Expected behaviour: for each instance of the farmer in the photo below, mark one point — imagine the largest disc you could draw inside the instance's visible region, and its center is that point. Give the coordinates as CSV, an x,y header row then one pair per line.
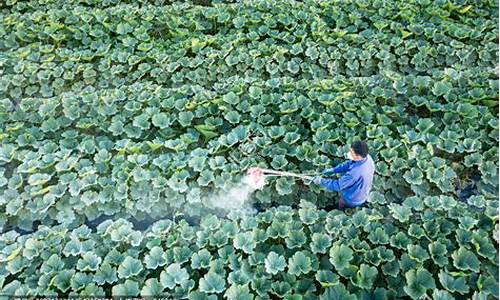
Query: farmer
x,y
357,177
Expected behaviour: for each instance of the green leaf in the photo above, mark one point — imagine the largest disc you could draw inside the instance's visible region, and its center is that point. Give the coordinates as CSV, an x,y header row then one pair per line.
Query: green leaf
x,y
379,236
337,292
129,288
238,292
295,239
452,284
152,288
89,262
105,274
340,256
438,253
80,280
274,263
52,264
441,88
233,117
129,267
123,28
417,253
93,290
201,259
63,280
212,283
442,295
413,176
464,259
308,215
299,263
292,137
185,118
255,92
284,186
244,241
391,268
155,258
280,288
38,179
173,275
365,277
231,98
488,284
327,278
161,120
207,131
483,245
400,212
418,282
320,243
293,67
312,53
279,162
12,254
141,121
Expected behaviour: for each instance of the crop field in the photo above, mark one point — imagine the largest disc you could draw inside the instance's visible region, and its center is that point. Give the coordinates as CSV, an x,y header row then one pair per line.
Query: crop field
x,y
121,119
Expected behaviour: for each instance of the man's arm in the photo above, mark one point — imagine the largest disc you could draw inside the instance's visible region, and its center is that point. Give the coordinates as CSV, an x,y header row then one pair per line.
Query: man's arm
x,y
337,185
341,168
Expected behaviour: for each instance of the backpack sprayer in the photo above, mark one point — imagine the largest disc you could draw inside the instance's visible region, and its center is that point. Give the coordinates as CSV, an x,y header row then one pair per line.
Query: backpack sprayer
x,y
258,175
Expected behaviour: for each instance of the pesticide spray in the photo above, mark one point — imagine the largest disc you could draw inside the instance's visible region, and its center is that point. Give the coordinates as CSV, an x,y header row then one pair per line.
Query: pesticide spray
x,y
236,198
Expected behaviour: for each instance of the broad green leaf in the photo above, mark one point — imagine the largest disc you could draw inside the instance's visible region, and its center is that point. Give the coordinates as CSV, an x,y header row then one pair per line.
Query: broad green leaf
x,y
327,278
337,292
129,267
441,88
129,288
89,262
418,281
161,120
238,292
340,256
464,259
320,243
417,253
295,239
231,98
244,241
63,280
365,277
173,275
155,258
212,283
274,263
299,263
453,284
152,288
105,274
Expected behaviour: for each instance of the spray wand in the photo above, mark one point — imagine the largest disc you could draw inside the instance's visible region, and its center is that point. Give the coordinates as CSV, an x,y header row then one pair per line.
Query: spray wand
x,y
257,175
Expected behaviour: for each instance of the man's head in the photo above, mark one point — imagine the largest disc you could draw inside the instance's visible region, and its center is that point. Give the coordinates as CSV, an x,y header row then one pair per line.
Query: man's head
x,y
359,150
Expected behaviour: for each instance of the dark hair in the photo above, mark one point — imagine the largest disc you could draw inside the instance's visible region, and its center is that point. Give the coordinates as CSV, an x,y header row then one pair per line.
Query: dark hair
x,y
360,148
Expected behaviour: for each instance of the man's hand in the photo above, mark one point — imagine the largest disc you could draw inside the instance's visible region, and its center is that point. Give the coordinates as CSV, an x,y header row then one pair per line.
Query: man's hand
x,y
317,180
328,172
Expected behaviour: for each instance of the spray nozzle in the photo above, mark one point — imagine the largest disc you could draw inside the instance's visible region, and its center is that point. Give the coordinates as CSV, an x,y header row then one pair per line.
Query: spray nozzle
x,y
256,177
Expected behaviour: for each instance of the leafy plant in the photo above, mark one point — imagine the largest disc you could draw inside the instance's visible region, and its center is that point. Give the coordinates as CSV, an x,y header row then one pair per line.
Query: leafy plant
x,y
118,110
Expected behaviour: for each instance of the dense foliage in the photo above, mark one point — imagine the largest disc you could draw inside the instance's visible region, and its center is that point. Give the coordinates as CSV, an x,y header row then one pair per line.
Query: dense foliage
x,y
435,247
141,108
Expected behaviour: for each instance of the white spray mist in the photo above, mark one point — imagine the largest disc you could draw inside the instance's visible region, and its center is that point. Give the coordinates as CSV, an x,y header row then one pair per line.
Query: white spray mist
x,y
236,197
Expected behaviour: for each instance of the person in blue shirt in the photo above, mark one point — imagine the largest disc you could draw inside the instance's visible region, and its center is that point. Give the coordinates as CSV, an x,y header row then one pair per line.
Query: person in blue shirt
x,y
357,177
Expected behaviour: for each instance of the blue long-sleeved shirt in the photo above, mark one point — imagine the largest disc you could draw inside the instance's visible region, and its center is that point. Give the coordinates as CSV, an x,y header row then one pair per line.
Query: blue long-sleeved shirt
x,y
356,181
